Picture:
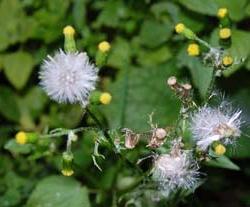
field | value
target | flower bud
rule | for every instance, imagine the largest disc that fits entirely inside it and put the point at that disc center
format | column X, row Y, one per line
column 222, row 12
column 182, row 29
column 193, row 49
column 69, row 41
column 104, row 46
column 105, row 98
column 26, row 137
column 67, row 161
column 227, row 61
column 219, row 149
column 172, row 81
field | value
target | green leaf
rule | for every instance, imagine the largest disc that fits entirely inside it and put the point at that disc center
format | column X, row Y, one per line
column 149, row 30
column 59, row 191
column 137, row 93
column 120, row 54
column 16, row 148
column 236, row 7
column 239, row 49
column 201, row 75
column 223, row 162
column 8, row 106
column 17, row 68
column 153, row 57
column 15, row 25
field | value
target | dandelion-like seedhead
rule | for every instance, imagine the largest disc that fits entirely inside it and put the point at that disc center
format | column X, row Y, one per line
column 215, row 124
column 176, row 171
column 68, row 77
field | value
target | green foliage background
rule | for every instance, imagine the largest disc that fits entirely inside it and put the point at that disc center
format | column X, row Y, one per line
column 145, row 51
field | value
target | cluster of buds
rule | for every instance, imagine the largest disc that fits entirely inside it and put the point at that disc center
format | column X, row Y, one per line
column 183, row 91
column 215, row 57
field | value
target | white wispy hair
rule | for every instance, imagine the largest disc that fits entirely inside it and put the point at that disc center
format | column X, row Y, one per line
column 212, row 124
column 176, row 171
column 68, row 77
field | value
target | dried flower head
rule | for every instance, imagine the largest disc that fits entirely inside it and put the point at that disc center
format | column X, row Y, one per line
column 131, row 138
column 212, row 124
column 157, row 138
column 68, row 77
column 176, row 171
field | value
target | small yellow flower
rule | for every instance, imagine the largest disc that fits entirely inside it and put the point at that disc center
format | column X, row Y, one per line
column 227, row 60
column 104, row 46
column 222, row 12
column 193, row 49
column 105, row 98
column 68, row 30
column 220, row 149
column 67, row 172
column 179, row 28
column 21, row 137
column 225, row 33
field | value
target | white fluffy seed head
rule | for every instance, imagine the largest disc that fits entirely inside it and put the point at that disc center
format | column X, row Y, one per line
column 212, row 124
column 176, row 172
column 68, row 77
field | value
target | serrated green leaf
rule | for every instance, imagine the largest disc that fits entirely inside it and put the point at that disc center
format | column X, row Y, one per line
column 17, row 68
column 59, row 191
column 223, row 162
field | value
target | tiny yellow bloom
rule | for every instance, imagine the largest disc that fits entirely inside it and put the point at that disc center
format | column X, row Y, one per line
column 193, row 49
column 222, row 12
column 21, row 137
column 67, row 172
column 68, row 30
column 105, row 98
column 220, row 149
column 179, row 28
column 104, row 46
column 227, row 60
column 225, row 33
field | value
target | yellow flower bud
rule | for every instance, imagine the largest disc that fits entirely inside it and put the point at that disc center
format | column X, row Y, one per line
column 222, row 12
column 220, row 149
column 68, row 30
column 225, row 33
column 193, row 49
column 227, row 60
column 104, row 46
column 67, row 172
column 21, row 137
column 105, row 98
column 179, row 28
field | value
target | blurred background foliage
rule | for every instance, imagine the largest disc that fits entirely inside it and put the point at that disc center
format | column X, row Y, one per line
column 145, row 51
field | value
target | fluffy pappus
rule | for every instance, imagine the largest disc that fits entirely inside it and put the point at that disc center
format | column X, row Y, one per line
column 215, row 124
column 68, row 77
column 176, row 171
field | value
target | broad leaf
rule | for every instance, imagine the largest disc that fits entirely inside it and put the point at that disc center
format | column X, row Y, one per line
column 59, row 191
